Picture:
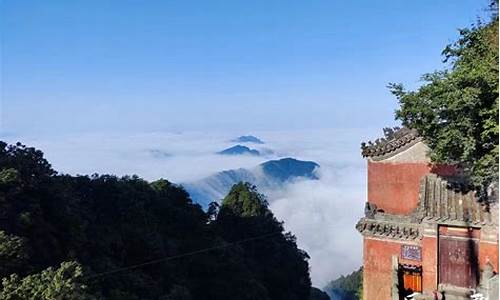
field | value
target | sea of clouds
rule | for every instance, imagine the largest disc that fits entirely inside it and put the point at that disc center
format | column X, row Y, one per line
column 321, row 213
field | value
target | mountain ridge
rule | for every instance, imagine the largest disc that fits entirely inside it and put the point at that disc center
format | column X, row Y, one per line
column 248, row 139
column 272, row 174
column 239, row 150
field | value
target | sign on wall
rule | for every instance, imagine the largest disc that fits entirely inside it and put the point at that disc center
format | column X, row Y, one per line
column 411, row 252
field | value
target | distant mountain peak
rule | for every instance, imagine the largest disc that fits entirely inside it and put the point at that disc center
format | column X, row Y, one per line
column 287, row 168
column 239, row 150
column 248, row 139
column 158, row 153
column 270, row 175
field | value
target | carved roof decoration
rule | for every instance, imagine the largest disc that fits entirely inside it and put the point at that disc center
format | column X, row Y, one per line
column 395, row 140
column 393, row 230
column 446, row 201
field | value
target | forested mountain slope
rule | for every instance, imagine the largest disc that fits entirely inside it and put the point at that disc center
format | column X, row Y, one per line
column 103, row 237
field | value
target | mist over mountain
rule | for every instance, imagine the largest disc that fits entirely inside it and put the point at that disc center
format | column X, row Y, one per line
column 248, row 139
column 308, row 207
column 286, row 169
column 346, row 287
column 159, row 154
column 272, row 174
column 239, row 150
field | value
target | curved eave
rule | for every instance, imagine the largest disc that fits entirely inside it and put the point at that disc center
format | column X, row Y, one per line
column 389, row 154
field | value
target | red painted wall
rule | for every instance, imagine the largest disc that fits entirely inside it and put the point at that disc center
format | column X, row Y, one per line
column 430, row 264
column 394, row 187
column 377, row 268
column 488, row 252
column 377, row 273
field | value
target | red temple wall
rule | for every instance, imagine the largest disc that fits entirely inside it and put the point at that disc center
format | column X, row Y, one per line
column 377, row 272
column 488, row 252
column 429, row 263
column 377, row 267
column 394, row 186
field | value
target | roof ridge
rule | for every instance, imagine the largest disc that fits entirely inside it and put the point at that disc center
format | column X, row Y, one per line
column 394, row 139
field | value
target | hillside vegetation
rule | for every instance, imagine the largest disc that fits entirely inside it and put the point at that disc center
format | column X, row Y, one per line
column 347, row 287
column 104, row 237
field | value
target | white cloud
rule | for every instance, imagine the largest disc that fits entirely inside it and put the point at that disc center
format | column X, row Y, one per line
column 322, row 213
column 190, row 155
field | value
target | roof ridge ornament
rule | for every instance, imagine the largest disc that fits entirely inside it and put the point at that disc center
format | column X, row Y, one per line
column 394, row 140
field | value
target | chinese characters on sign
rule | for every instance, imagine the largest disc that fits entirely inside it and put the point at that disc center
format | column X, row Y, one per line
column 411, row 252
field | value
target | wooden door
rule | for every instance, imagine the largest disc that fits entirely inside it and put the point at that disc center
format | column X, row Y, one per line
column 412, row 281
column 458, row 252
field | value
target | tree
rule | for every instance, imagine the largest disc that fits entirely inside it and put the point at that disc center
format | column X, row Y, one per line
column 245, row 201
column 136, row 239
column 272, row 256
column 317, row 294
column 349, row 287
column 12, row 253
column 456, row 109
column 63, row 283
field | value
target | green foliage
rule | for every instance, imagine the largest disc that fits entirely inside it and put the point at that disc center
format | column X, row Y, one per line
column 360, row 291
column 12, row 253
column 317, row 294
column 348, row 287
column 108, row 223
column 8, row 176
column 59, row 284
column 244, row 200
column 279, row 268
column 456, row 110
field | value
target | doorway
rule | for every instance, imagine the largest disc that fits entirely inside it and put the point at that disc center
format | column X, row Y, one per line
column 458, row 256
column 410, row 280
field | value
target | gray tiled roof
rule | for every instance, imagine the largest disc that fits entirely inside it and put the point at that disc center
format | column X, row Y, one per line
column 447, row 201
column 395, row 142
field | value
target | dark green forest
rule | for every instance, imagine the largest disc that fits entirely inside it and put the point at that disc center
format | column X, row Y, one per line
column 347, row 287
column 104, row 237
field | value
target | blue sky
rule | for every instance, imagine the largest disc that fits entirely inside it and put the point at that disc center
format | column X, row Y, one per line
column 98, row 84
column 78, row 66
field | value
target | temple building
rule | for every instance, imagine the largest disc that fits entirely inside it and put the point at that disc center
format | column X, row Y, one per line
column 424, row 232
